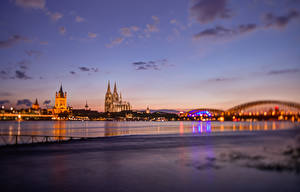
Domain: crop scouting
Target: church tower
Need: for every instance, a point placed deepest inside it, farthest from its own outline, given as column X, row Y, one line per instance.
column 36, row 105
column 60, row 101
column 115, row 94
column 86, row 106
column 108, row 99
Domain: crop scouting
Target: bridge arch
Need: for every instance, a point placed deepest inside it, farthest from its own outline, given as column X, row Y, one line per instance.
column 248, row 105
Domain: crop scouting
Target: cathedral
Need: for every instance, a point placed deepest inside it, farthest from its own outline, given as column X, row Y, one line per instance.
column 113, row 101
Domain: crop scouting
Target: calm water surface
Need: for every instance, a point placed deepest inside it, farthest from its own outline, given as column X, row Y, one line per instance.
column 114, row 128
column 162, row 156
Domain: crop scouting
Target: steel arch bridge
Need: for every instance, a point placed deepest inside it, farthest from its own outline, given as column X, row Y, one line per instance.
column 248, row 105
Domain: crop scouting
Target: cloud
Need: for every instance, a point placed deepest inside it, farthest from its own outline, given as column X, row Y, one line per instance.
column 92, row 35
column 156, row 19
column 55, row 16
column 33, row 4
column 125, row 31
column 220, row 31
column 177, row 24
column 26, row 102
column 95, row 70
column 62, row 30
column 21, row 75
column 40, row 4
column 2, row 102
column 221, row 79
column 280, row 21
column 128, row 31
column 33, row 53
column 132, row 31
column 18, row 73
column 134, row 28
column 23, row 64
column 151, row 65
column 283, row 71
column 46, row 102
column 114, row 42
column 79, row 19
column 72, row 72
column 246, row 28
column 176, row 30
column 151, row 28
column 12, row 41
column 205, row 11
column 85, row 69
column 4, row 74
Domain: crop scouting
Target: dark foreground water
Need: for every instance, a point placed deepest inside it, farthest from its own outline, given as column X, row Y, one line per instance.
column 241, row 160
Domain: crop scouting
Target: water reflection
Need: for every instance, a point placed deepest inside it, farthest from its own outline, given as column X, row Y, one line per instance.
column 200, row 127
column 59, row 129
column 208, row 127
column 112, row 128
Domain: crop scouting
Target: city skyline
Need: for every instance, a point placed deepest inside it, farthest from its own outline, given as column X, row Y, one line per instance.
column 168, row 55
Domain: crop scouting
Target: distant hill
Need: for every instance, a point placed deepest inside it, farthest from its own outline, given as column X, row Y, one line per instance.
column 161, row 110
column 165, row 111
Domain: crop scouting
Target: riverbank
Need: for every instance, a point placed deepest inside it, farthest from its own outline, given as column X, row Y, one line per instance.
column 248, row 161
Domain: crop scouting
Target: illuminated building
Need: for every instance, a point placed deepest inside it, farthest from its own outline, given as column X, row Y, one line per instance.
column 113, row 102
column 35, row 105
column 60, row 102
column 147, row 110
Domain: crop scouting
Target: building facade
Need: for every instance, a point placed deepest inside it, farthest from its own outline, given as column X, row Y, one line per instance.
column 60, row 102
column 114, row 102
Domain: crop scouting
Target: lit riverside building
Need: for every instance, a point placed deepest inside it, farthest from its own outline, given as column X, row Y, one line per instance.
column 113, row 102
column 60, row 102
column 35, row 105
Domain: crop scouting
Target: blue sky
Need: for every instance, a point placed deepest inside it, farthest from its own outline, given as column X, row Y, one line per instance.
column 166, row 54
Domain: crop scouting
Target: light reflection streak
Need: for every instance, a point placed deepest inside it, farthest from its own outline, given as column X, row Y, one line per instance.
column 193, row 128
column 273, row 125
column 19, row 128
column 222, row 127
column 265, row 125
column 181, row 128
column 202, row 127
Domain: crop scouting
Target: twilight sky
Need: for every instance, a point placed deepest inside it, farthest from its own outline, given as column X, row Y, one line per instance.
column 178, row 54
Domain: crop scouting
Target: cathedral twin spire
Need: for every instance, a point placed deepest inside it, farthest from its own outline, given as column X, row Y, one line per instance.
column 115, row 95
column 113, row 101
